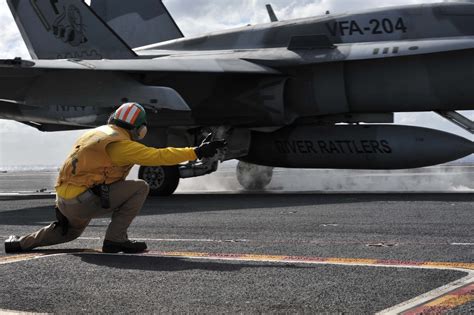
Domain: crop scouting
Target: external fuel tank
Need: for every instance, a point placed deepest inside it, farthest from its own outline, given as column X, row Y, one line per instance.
column 356, row 147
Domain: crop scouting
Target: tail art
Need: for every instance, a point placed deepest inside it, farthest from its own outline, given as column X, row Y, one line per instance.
column 66, row 29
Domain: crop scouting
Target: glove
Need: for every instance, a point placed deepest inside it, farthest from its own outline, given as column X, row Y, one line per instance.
column 209, row 149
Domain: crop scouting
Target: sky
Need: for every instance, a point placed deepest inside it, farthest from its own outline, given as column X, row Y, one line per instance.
column 22, row 145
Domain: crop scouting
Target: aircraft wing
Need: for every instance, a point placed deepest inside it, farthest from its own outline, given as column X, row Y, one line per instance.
column 305, row 52
column 101, row 83
column 390, row 49
column 203, row 65
column 377, row 50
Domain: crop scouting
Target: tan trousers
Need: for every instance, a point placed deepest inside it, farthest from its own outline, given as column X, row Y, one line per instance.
column 126, row 200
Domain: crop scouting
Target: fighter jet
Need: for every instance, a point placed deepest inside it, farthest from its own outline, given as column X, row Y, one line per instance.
column 317, row 92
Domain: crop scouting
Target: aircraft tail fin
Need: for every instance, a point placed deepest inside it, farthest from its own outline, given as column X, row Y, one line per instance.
column 271, row 13
column 139, row 23
column 66, row 29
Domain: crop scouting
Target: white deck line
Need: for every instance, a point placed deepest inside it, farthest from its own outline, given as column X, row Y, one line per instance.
column 397, row 309
column 426, row 297
column 9, row 312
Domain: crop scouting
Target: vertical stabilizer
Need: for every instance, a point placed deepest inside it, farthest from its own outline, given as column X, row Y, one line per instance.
column 62, row 29
column 138, row 22
column 271, row 13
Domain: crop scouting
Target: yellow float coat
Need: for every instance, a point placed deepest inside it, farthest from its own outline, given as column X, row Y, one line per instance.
column 106, row 155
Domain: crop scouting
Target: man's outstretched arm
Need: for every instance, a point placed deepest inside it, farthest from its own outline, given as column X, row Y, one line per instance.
column 130, row 152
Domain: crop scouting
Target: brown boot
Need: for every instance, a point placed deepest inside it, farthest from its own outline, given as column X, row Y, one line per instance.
column 128, row 247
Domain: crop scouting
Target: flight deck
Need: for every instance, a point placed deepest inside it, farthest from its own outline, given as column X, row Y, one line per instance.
column 279, row 251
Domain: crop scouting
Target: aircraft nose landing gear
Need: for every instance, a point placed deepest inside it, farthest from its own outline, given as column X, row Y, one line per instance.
column 163, row 180
column 253, row 177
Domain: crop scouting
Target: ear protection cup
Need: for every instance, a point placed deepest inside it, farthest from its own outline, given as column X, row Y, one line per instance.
column 142, row 131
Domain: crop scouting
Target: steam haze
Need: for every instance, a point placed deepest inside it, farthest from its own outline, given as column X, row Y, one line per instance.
column 433, row 179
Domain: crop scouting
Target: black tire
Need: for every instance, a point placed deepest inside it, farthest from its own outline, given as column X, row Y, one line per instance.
column 253, row 177
column 163, row 180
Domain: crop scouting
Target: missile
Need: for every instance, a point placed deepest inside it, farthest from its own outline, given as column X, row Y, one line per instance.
column 356, row 147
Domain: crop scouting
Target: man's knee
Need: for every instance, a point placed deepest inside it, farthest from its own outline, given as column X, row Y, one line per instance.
column 143, row 187
column 137, row 186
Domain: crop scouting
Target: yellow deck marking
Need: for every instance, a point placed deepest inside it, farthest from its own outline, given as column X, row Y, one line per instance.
column 330, row 260
column 9, row 259
column 18, row 258
column 269, row 258
column 469, row 266
column 437, row 299
column 353, row 261
column 446, row 303
column 263, row 257
column 451, row 301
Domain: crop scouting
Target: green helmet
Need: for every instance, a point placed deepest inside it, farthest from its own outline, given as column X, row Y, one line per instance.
column 129, row 116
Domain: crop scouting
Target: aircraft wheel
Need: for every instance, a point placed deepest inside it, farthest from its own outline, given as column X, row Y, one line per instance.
column 254, row 177
column 163, row 180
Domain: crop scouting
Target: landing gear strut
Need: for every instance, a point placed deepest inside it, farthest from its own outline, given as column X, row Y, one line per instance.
column 254, row 177
column 163, row 180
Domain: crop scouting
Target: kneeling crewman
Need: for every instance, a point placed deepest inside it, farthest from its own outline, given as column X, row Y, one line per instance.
column 92, row 182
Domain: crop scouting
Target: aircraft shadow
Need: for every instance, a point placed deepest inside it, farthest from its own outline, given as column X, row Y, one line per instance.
column 190, row 203
column 153, row 263
column 187, row 203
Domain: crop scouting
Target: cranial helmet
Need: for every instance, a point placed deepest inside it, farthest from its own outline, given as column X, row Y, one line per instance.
column 131, row 116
